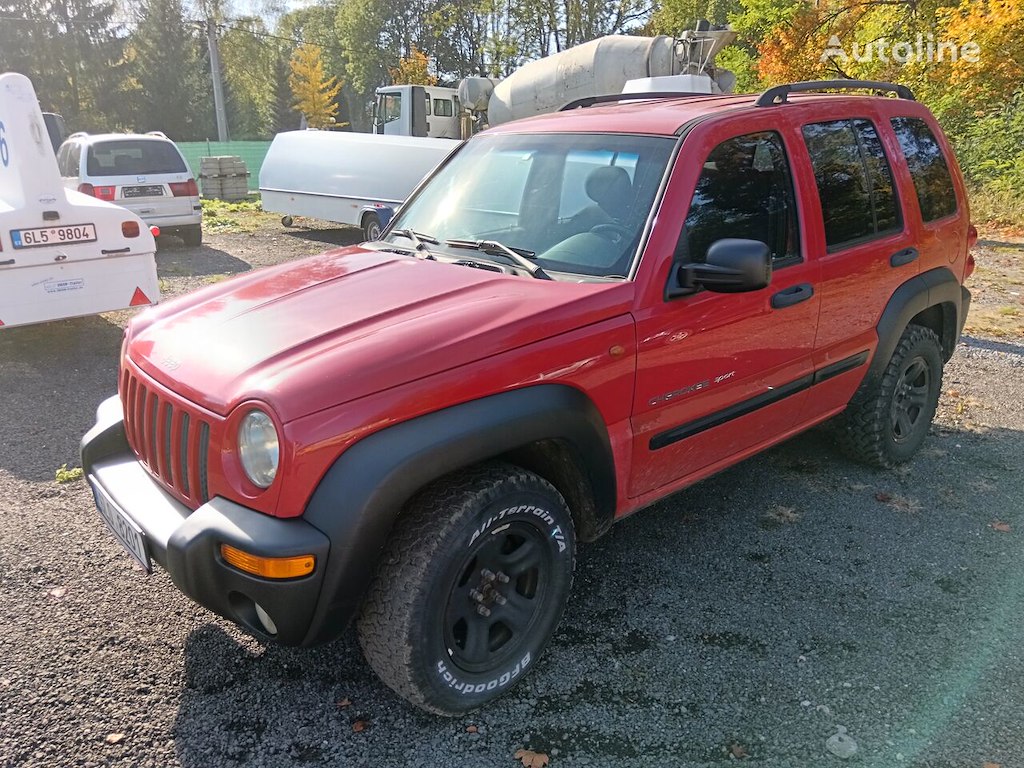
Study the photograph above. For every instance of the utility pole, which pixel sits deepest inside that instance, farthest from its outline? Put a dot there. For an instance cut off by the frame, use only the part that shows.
(218, 86)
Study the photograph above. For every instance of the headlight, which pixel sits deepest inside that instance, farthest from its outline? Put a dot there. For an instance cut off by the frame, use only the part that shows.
(258, 448)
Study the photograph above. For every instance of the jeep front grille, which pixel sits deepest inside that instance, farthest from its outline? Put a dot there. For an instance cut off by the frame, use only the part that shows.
(172, 441)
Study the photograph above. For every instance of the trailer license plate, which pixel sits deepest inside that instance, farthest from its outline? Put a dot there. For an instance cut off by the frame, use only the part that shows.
(154, 190)
(42, 236)
(124, 528)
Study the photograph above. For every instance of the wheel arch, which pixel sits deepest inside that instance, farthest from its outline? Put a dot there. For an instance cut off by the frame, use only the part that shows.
(383, 214)
(551, 429)
(934, 299)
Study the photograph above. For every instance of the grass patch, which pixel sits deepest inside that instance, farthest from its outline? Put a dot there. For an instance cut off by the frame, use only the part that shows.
(997, 207)
(242, 216)
(65, 475)
(998, 322)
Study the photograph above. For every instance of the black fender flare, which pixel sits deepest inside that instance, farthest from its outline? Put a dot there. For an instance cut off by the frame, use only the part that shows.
(361, 495)
(937, 287)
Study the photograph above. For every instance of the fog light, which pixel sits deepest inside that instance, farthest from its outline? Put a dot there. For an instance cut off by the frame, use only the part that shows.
(265, 620)
(268, 567)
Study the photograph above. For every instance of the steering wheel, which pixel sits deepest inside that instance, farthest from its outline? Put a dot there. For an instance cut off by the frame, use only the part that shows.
(615, 232)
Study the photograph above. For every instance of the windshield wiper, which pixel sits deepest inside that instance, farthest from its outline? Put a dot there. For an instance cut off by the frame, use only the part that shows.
(517, 256)
(419, 240)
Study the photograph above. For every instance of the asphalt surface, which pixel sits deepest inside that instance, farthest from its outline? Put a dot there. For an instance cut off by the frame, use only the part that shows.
(743, 620)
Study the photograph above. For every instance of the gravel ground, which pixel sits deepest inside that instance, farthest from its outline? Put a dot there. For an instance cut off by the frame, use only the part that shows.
(745, 619)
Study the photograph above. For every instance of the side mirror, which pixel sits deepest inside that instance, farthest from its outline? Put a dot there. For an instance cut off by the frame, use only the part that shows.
(732, 266)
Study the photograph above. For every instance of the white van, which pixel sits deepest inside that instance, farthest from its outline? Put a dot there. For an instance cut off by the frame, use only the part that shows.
(62, 253)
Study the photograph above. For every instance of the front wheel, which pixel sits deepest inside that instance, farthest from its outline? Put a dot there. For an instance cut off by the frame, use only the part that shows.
(469, 588)
(884, 426)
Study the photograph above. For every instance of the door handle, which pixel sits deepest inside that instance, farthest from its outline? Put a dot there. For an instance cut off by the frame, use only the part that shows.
(792, 295)
(905, 256)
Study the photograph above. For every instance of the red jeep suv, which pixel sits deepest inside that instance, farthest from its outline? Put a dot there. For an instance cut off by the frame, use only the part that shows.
(575, 316)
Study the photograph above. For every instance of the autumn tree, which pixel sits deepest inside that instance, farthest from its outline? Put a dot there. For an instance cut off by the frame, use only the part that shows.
(413, 69)
(314, 92)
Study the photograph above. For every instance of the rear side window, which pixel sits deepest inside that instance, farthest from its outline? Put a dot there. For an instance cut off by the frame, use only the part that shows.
(928, 167)
(858, 200)
(68, 158)
(443, 107)
(63, 160)
(133, 156)
(745, 191)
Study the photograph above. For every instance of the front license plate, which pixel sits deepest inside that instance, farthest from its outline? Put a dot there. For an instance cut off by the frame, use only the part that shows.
(153, 190)
(43, 236)
(127, 532)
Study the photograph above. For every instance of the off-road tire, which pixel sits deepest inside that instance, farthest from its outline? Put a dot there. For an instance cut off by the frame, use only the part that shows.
(192, 235)
(885, 424)
(409, 626)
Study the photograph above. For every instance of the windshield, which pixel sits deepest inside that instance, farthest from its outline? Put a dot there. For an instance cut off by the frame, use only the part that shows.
(575, 203)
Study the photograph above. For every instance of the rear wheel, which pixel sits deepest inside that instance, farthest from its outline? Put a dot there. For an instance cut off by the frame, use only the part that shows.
(886, 425)
(192, 235)
(371, 227)
(469, 588)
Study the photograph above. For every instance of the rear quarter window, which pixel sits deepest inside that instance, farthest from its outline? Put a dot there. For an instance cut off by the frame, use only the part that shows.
(855, 183)
(133, 156)
(928, 167)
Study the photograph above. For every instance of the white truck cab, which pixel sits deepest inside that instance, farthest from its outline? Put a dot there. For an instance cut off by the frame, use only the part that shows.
(62, 253)
(417, 110)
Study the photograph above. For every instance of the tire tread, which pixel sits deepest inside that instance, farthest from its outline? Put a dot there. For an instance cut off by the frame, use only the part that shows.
(388, 613)
(861, 429)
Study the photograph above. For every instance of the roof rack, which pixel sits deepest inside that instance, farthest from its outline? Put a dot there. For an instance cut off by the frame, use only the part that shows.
(779, 94)
(590, 101)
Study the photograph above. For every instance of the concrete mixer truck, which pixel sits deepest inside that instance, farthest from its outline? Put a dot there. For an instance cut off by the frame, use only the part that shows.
(361, 179)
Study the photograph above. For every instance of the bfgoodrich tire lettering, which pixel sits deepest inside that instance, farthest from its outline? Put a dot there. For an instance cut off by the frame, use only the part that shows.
(885, 425)
(470, 588)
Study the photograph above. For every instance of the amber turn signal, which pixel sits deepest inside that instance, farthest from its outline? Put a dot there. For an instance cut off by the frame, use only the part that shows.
(268, 567)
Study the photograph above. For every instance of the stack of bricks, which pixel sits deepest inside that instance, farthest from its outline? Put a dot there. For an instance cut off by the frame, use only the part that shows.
(224, 178)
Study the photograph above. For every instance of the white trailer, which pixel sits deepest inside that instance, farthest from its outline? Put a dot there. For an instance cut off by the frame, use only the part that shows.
(350, 178)
(62, 253)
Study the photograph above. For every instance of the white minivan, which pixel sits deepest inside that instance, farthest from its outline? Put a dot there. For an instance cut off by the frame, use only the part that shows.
(145, 173)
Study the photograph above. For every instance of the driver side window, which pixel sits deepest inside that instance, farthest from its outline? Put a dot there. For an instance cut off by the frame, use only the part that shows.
(745, 191)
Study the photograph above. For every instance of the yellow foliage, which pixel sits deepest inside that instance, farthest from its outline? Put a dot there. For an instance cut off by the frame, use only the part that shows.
(996, 27)
(313, 91)
(413, 70)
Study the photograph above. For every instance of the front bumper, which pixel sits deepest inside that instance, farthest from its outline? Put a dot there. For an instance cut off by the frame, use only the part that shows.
(187, 543)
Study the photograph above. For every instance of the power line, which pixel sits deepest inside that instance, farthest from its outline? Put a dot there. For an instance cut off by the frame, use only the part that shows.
(269, 36)
(222, 25)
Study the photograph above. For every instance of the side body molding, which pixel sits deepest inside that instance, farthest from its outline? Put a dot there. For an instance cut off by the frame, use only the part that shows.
(361, 495)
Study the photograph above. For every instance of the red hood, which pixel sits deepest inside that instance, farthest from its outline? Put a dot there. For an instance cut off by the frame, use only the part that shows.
(332, 328)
